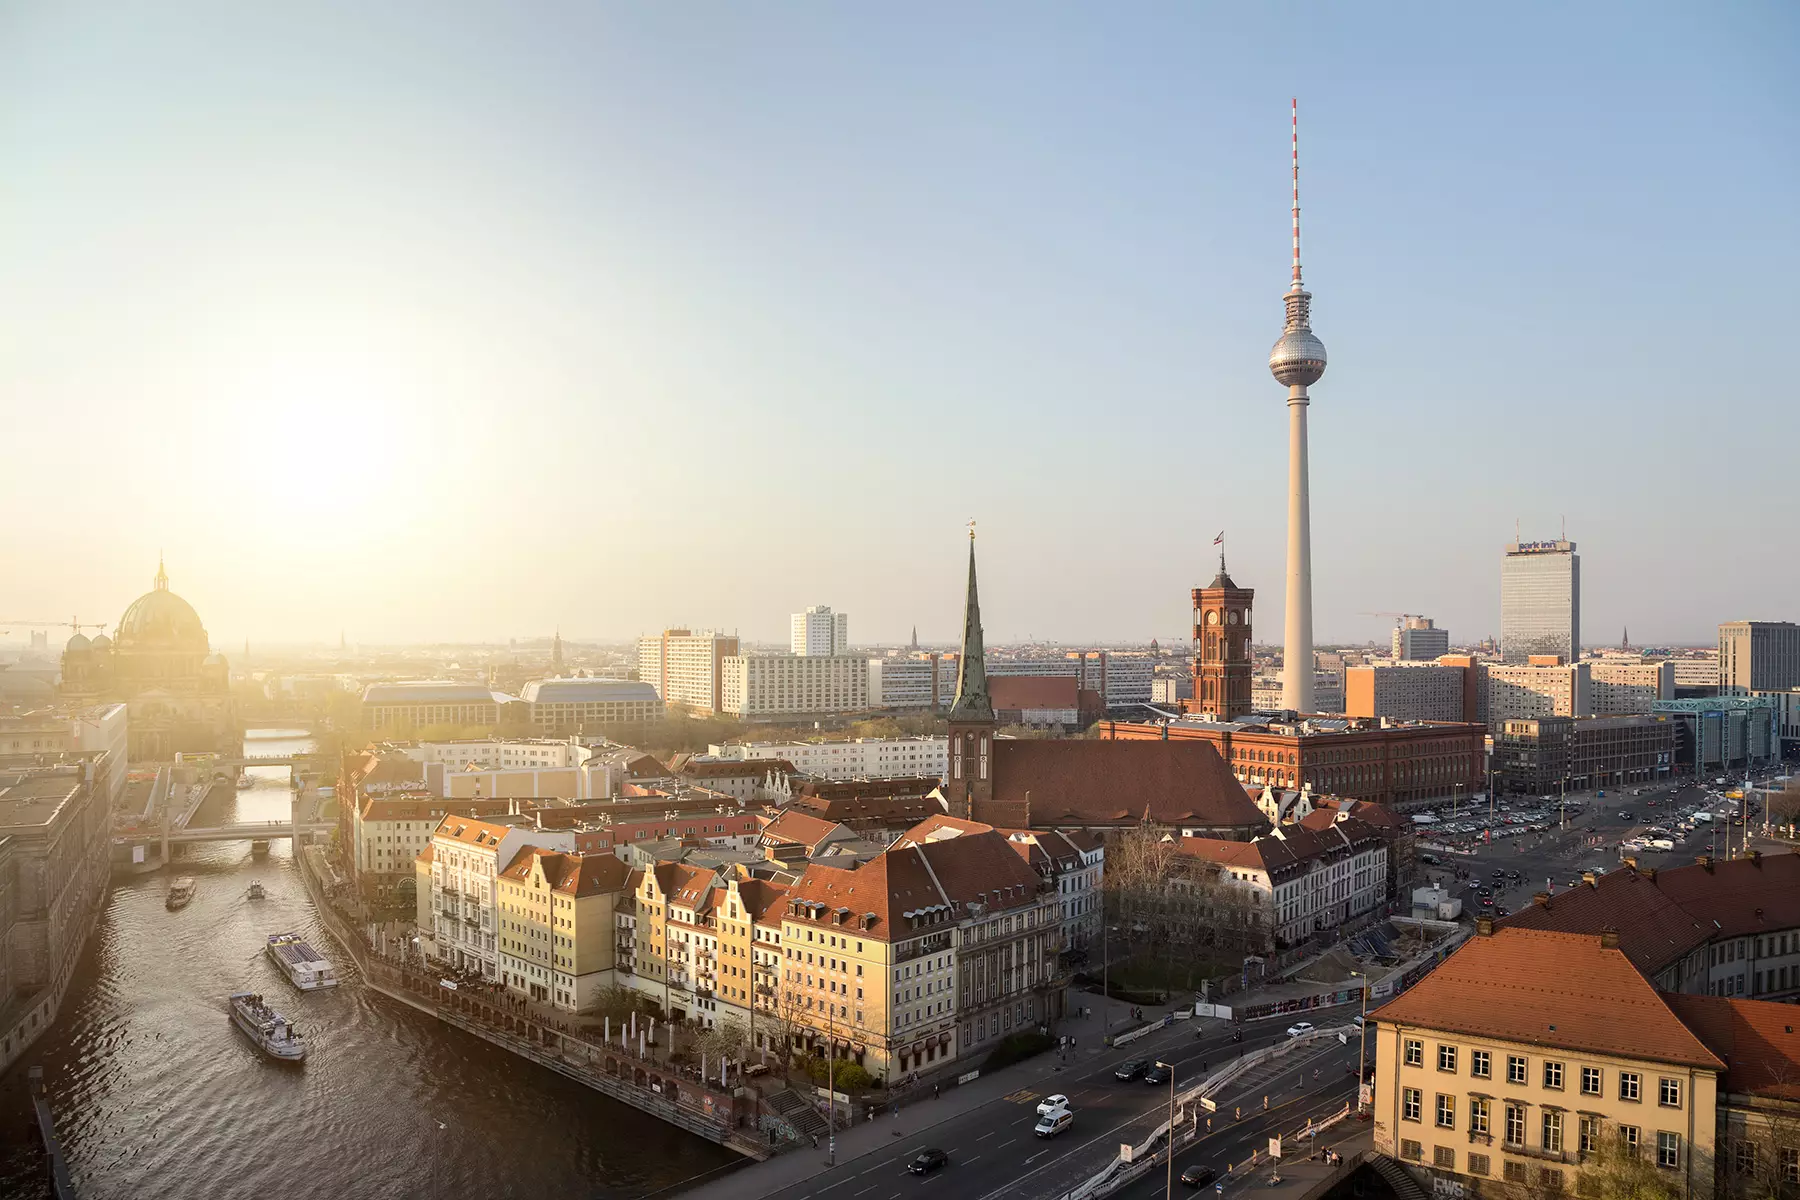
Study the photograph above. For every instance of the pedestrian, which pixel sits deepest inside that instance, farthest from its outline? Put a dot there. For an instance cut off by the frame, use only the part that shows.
(936, 1090)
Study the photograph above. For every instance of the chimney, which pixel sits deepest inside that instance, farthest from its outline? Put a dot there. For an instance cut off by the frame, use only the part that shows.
(1028, 809)
(1755, 856)
(1591, 879)
(1630, 861)
(1609, 939)
(1484, 926)
(1542, 898)
(1650, 874)
(1705, 860)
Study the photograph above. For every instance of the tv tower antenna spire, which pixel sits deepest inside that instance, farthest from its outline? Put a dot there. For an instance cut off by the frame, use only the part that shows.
(1296, 111)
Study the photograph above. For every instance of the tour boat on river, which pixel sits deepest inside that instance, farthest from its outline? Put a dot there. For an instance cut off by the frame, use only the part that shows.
(273, 1034)
(306, 967)
(180, 892)
(256, 891)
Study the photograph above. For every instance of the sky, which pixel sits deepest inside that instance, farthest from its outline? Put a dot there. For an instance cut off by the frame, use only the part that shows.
(428, 321)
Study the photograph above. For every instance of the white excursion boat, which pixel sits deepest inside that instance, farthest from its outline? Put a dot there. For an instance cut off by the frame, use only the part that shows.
(245, 780)
(306, 967)
(273, 1034)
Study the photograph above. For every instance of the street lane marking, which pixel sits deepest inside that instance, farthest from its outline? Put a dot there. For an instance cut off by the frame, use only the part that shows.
(990, 1133)
(972, 1158)
(870, 1188)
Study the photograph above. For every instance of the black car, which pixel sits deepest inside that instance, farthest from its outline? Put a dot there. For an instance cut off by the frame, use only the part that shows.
(1198, 1176)
(928, 1161)
(1157, 1074)
(1131, 1070)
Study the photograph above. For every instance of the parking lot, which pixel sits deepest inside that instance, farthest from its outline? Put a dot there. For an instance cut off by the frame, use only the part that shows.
(1494, 863)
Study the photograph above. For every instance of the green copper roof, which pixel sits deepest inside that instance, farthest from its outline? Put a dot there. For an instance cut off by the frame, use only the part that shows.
(972, 702)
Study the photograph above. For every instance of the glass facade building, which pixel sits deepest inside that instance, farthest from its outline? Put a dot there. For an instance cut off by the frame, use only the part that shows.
(1540, 600)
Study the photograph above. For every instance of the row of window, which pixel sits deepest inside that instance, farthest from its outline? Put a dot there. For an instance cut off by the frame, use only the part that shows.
(1592, 1079)
(1551, 1126)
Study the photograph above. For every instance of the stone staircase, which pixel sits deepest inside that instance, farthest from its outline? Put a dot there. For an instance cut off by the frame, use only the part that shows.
(1398, 1178)
(798, 1112)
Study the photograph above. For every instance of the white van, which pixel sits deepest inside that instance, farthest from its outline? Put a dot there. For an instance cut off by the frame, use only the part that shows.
(1054, 1123)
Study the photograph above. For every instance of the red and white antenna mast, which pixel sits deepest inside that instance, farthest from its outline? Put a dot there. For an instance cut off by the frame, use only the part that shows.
(1297, 286)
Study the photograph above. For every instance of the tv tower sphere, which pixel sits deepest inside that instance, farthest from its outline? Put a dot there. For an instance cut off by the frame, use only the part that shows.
(1299, 357)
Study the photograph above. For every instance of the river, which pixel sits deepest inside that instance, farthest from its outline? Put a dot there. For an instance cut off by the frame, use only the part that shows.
(157, 1094)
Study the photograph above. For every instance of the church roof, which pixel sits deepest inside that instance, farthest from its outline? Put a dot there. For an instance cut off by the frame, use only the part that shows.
(159, 619)
(972, 702)
(1081, 781)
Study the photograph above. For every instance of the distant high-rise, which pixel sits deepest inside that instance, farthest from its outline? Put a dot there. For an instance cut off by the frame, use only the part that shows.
(1758, 656)
(1298, 360)
(819, 631)
(1418, 639)
(1540, 600)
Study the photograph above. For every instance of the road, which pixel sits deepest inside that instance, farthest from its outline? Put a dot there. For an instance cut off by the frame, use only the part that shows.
(994, 1154)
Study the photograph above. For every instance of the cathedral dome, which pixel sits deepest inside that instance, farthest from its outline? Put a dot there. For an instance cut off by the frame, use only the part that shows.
(159, 619)
(102, 643)
(78, 642)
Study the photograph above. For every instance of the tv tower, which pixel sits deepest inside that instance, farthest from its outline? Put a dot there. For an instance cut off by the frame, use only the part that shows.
(1298, 360)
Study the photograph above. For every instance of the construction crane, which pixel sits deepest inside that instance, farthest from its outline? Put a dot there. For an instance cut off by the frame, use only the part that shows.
(1399, 617)
(76, 625)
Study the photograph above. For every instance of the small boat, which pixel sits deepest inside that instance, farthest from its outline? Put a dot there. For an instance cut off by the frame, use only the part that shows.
(305, 967)
(273, 1034)
(259, 848)
(180, 892)
(245, 780)
(256, 892)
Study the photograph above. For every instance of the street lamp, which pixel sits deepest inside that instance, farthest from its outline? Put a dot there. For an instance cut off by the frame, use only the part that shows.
(1362, 1039)
(1169, 1194)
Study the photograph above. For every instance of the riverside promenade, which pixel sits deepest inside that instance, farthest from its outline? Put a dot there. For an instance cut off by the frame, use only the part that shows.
(615, 1068)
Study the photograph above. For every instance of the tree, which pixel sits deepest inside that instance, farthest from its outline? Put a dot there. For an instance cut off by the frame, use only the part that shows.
(1614, 1170)
(726, 1039)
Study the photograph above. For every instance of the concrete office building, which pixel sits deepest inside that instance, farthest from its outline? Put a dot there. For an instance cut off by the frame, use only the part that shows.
(1758, 656)
(1418, 639)
(1620, 686)
(909, 682)
(685, 667)
(1724, 732)
(1546, 685)
(587, 705)
(1409, 691)
(1540, 600)
(862, 758)
(1549, 754)
(819, 631)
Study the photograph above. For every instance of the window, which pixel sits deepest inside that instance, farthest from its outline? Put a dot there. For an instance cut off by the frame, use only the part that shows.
(1478, 1115)
(1590, 1134)
(1550, 1179)
(1553, 1075)
(1515, 1124)
(1411, 1151)
(1668, 1150)
(1628, 1085)
(1478, 1164)
(1514, 1172)
(1409, 1104)
(1515, 1069)
(1415, 1053)
(1481, 1064)
(1446, 1111)
(1447, 1058)
(1743, 1158)
(1790, 1165)
(1443, 1156)
(1553, 1130)
(1668, 1093)
(1590, 1081)
(1628, 1139)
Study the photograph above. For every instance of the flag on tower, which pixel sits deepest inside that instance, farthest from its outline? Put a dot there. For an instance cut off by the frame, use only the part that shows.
(1220, 540)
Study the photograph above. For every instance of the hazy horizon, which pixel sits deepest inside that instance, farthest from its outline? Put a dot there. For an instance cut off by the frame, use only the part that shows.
(434, 324)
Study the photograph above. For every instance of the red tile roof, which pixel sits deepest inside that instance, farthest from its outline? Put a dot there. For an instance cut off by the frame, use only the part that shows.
(581, 875)
(1745, 896)
(1653, 930)
(804, 830)
(1078, 781)
(1756, 1039)
(1543, 988)
(1011, 693)
(947, 875)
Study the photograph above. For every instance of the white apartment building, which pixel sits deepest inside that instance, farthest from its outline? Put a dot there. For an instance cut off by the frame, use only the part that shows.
(759, 685)
(686, 667)
(911, 682)
(862, 758)
(1622, 687)
(1544, 686)
(1328, 691)
(1302, 880)
(1409, 691)
(467, 856)
(523, 768)
(1700, 672)
(819, 631)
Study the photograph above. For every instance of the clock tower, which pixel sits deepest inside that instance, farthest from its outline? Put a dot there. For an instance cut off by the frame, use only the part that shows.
(1222, 665)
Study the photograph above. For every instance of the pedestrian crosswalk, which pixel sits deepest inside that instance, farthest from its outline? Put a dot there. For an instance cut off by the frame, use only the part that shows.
(1022, 1096)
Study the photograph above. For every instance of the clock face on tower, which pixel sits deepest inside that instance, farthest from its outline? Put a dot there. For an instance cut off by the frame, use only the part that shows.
(1234, 616)
(1212, 618)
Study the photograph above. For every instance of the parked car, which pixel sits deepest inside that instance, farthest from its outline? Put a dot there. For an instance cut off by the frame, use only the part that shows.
(1157, 1074)
(1052, 1104)
(1299, 1027)
(1198, 1176)
(1053, 1124)
(1132, 1069)
(928, 1161)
